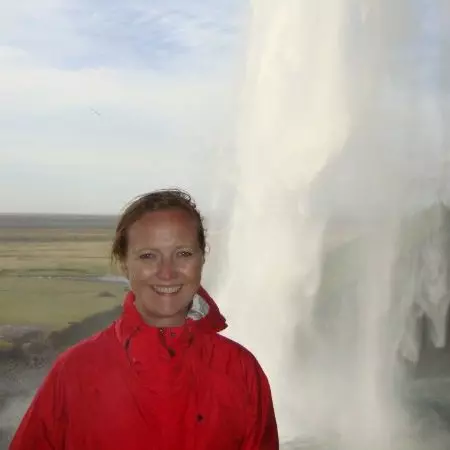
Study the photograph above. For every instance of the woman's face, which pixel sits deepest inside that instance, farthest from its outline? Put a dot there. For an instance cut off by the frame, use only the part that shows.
(164, 265)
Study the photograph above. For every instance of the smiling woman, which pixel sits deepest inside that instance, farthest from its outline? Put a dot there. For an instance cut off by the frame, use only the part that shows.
(160, 375)
(160, 244)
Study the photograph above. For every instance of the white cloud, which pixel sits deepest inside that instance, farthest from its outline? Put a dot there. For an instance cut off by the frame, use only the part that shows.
(136, 33)
(105, 125)
(87, 131)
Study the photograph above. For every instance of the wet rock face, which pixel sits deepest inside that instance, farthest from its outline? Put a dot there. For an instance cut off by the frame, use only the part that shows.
(5, 437)
(19, 379)
(433, 362)
(24, 346)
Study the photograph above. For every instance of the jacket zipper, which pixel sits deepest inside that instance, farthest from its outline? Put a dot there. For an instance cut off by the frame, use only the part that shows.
(170, 350)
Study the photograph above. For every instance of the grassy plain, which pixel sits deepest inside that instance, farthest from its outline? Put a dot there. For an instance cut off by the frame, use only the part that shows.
(48, 270)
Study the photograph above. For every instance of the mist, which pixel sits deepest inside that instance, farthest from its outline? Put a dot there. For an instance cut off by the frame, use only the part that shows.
(337, 244)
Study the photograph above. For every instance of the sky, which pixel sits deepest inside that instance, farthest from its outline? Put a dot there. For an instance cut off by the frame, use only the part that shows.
(102, 100)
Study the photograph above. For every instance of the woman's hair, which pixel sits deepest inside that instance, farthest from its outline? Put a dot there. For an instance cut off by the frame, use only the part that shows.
(160, 200)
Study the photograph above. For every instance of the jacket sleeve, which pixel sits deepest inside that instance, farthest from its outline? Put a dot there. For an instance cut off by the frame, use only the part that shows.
(262, 430)
(43, 426)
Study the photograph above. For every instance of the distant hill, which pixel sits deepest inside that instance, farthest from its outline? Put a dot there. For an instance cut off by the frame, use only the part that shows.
(59, 221)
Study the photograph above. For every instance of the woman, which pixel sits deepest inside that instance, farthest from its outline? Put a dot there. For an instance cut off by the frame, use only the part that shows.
(160, 377)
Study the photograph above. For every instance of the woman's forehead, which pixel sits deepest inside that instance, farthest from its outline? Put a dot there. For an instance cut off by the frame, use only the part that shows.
(166, 224)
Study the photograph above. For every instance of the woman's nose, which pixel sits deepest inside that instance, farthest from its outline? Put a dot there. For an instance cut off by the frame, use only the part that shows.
(166, 270)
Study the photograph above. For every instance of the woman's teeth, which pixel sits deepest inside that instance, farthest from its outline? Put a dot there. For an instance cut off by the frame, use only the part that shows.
(167, 289)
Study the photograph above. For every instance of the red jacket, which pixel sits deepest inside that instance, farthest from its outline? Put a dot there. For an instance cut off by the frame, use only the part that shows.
(135, 387)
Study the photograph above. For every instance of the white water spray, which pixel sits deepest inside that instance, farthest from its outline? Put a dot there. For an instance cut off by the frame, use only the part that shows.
(340, 146)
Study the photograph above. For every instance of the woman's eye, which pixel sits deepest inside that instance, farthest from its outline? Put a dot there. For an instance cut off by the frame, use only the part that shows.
(185, 254)
(147, 256)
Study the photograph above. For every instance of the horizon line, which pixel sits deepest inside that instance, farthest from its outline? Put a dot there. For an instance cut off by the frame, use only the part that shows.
(58, 214)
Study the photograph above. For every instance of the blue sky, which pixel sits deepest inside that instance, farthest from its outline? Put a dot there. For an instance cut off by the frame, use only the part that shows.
(102, 100)
(72, 34)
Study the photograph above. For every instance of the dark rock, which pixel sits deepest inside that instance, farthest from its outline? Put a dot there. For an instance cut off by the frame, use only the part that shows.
(105, 294)
(75, 332)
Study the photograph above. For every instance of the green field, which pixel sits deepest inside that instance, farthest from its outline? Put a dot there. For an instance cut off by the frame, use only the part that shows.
(47, 274)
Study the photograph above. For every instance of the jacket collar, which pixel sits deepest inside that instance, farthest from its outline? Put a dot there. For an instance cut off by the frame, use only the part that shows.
(204, 317)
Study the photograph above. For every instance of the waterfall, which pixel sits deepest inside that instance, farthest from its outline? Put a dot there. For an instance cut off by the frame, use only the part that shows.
(336, 244)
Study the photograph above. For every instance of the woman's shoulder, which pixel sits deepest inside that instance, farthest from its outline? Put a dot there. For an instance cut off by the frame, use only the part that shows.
(235, 354)
(89, 352)
(231, 345)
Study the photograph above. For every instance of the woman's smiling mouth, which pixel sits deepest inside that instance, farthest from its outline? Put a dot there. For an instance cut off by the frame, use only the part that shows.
(167, 290)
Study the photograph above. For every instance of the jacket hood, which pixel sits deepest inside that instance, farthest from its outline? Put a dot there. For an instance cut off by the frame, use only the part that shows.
(205, 312)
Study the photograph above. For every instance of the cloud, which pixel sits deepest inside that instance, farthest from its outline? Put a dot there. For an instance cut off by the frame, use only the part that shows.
(136, 33)
(100, 101)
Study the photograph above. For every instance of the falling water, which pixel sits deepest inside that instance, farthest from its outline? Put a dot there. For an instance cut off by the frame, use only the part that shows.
(336, 244)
